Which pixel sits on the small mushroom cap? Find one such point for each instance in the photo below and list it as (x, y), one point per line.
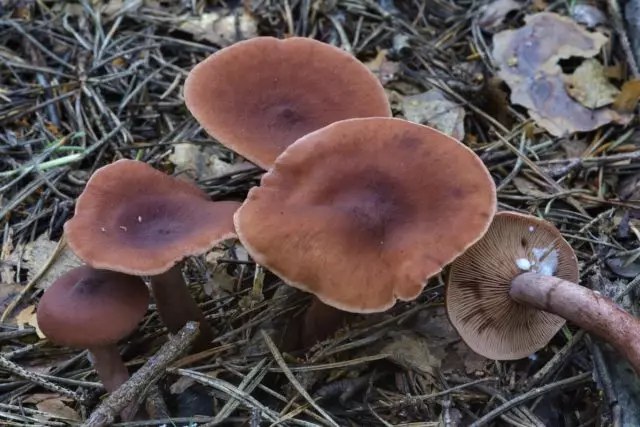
(364, 211)
(137, 220)
(260, 95)
(477, 296)
(87, 307)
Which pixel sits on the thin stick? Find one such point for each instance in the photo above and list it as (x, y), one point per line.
(573, 381)
(34, 378)
(280, 361)
(148, 374)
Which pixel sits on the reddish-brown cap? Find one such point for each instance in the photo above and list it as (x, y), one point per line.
(478, 302)
(258, 96)
(137, 220)
(87, 307)
(364, 211)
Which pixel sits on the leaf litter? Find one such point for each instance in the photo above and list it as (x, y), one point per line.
(401, 367)
(528, 60)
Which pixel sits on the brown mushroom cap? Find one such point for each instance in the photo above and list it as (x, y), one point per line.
(137, 220)
(260, 95)
(87, 307)
(364, 211)
(477, 296)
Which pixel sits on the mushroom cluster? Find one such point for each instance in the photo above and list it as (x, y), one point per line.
(351, 208)
(355, 207)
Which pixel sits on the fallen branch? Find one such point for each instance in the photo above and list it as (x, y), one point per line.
(145, 377)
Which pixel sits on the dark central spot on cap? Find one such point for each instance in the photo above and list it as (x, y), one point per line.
(153, 221)
(376, 204)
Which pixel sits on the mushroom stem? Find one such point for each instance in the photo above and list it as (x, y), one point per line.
(176, 306)
(583, 307)
(320, 322)
(112, 371)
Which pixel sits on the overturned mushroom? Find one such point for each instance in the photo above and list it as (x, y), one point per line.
(362, 212)
(134, 219)
(511, 292)
(94, 309)
(258, 96)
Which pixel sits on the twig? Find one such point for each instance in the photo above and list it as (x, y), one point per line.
(149, 373)
(573, 381)
(14, 303)
(30, 376)
(280, 361)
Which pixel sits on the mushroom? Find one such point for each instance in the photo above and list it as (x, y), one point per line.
(134, 219)
(260, 95)
(94, 309)
(514, 289)
(362, 212)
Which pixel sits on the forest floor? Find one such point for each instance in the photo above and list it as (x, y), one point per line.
(84, 84)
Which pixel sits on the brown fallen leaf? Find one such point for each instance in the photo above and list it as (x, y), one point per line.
(384, 69)
(528, 188)
(27, 316)
(589, 86)
(492, 15)
(221, 28)
(53, 404)
(433, 108)
(628, 98)
(528, 58)
(433, 345)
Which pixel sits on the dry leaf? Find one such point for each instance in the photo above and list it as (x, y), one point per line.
(413, 352)
(628, 98)
(384, 69)
(492, 15)
(528, 188)
(434, 109)
(574, 147)
(589, 86)
(55, 406)
(26, 316)
(38, 253)
(588, 15)
(199, 162)
(436, 347)
(222, 29)
(528, 61)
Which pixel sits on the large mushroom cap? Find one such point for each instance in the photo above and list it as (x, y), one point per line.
(364, 211)
(87, 307)
(477, 296)
(137, 220)
(258, 96)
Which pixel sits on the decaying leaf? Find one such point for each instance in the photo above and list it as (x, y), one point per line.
(27, 316)
(384, 69)
(38, 253)
(221, 28)
(628, 98)
(574, 147)
(413, 352)
(528, 188)
(435, 346)
(199, 162)
(589, 86)
(588, 15)
(433, 108)
(528, 59)
(494, 13)
(53, 404)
